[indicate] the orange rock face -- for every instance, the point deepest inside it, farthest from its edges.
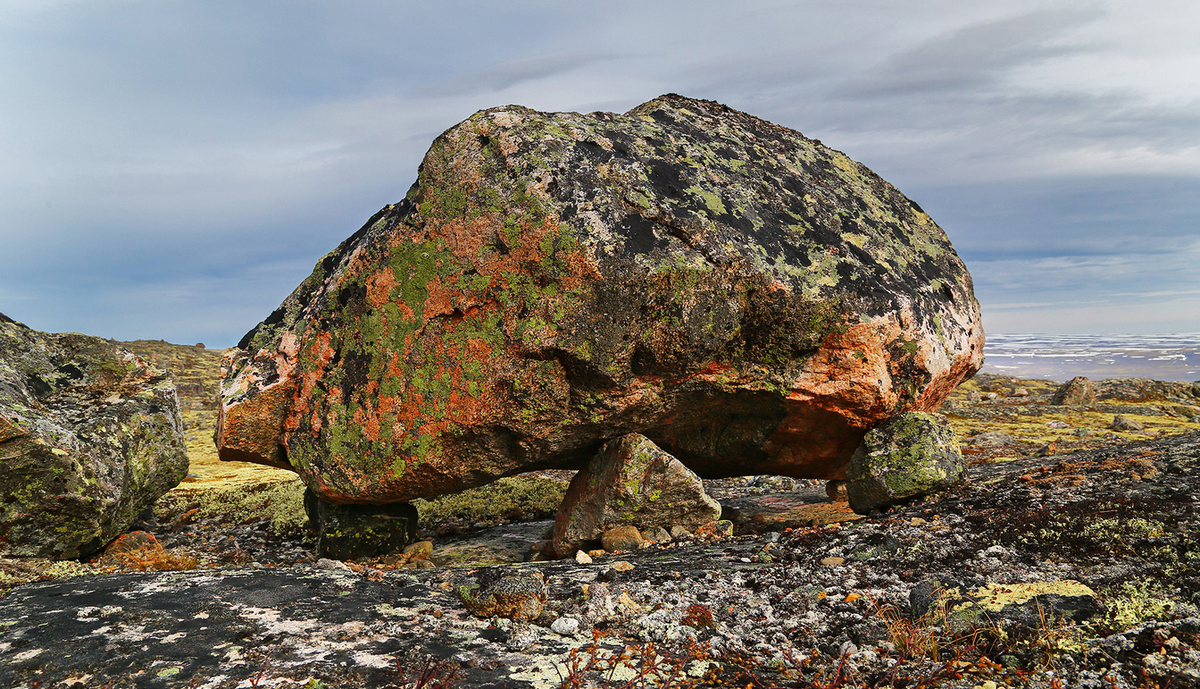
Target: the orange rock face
(749, 300)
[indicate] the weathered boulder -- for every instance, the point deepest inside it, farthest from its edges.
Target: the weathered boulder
(630, 482)
(90, 436)
(1078, 390)
(352, 532)
(911, 455)
(747, 298)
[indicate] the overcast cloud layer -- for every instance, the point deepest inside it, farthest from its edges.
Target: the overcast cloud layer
(173, 169)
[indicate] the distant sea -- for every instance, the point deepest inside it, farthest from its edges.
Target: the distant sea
(1062, 357)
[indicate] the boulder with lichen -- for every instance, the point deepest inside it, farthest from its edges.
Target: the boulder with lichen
(90, 436)
(912, 455)
(745, 297)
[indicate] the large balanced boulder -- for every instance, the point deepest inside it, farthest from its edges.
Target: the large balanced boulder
(630, 482)
(90, 436)
(909, 456)
(746, 298)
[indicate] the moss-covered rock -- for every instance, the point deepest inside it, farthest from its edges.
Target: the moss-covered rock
(495, 592)
(911, 455)
(745, 297)
(90, 436)
(630, 482)
(1036, 604)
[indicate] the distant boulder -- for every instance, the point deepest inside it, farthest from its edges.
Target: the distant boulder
(1078, 390)
(911, 455)
(746, 298)
(1121, 422)
(90, 436)
(1147, 390)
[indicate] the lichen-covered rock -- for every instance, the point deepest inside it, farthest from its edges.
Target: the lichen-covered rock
(630, 482)
(1036, 604)
(745, 297)
(1078, 390)
(90, 436)
(910, 455)
(503, 593)
(352, 532)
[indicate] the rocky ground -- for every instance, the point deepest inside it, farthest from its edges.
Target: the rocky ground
(1069, 559)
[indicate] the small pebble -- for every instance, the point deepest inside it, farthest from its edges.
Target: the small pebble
(833, 561)
(622, 566)
(566, 626)
(583, 558)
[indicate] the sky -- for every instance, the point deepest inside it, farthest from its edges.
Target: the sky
(172, 170)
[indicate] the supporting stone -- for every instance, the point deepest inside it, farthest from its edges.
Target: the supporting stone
(352, 532)
(908, 456)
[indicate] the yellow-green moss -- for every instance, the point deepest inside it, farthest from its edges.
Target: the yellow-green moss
(499, 501)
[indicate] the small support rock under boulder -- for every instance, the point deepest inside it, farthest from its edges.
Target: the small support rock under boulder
(630, 482)
(352, 532)
(908, 456)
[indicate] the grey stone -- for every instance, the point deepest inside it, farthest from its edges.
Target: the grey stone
(567, 626)
(992, 439)
(908, 456)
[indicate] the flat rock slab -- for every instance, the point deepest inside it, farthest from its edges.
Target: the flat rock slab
(786, 510)
(284, 627)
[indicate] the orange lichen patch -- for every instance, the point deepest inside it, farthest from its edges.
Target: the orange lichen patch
(850, 372)
(380, 287)
(442, 300)
(250, 431)
(9, 430)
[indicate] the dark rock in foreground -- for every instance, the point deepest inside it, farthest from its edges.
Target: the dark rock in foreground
(747, 298)
(90, 436)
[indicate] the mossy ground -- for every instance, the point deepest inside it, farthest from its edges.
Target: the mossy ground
(1035, 424)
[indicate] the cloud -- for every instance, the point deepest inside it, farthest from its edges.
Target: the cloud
(146, 145)
(974, 57)
(504, 75)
